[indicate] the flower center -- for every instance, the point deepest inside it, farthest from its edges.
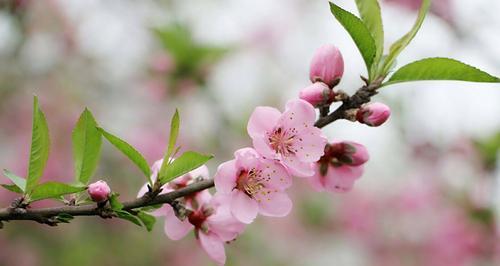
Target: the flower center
(282, 142)
(250, 182)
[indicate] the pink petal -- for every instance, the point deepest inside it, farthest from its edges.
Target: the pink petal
(201, 171)
(299, 114)
(174, 228)
(317, 181)
(310, 145)
(213, 246)
(275, 175)
(222, 222)
(262, 147)
(143, 190)
(225, 177)
(246, 158)
(341, 179)
(275, 204)
(262, 120)
(243, 207)
(155, 169)
(298, 168)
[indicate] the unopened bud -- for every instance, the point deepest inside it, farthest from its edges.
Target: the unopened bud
(327, 65)
(373, 114)
(317, 94)
(99, 191)
(348, 152)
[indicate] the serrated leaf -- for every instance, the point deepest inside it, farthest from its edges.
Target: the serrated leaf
(147, 219)
(129, 151)
(39, 152)
(115, 204)
(12, 188)
(128, 216)
(369, 11)
(359, 33)
(185, 163)
(17, 180)
(86, 147)
(440, 69)
(174, 133)
(401, 44)
(53, 190)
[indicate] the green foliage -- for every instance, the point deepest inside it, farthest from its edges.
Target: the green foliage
(185, 163)
(489, 150)
(174, 133)
(18, 181)
(115, 204)
(52, 189)
(130, 152)
(125, 215)
(401, 44)
(369, 11)
(86, 147)
(359, 33)
(39, 152)
(117, 207)
(440, 69)
(12, 188)
(147, 219)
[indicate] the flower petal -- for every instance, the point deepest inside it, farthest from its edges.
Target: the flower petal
(298, 168)
(299, 115)
(213, 246)
(201, 171)
(310, 144)
(317, 181)
(225, 177)
(275, 175)
(243, 207)
(341, 179)
(262, 120)
(174, 228)
(276, 204)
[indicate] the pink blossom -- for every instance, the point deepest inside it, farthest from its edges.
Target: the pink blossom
(327, 65)
(99, 191)
(317, 94)
(288, 137)
(339, 167)
(373, 114)
(254, 185)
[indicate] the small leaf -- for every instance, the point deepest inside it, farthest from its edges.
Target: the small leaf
(129, 151)
(359, 33)
(185, 163)
(64, 217)
(115, 204)
(401, 44)
(86, 147)
(128, 216)
(12, 188)
(17, 180)
(147, 219)
(440, 69)
(53, 190)
(174, 133)
(369, 11)
(39, 152)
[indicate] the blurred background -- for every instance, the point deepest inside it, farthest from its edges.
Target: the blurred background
(430, 194)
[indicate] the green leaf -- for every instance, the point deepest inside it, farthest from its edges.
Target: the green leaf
(147, 219)
(128, 216)
(39, 152)
(187, 162)
(17, 180)
(53, 190)
(489, 149)
(130, 152)
(12, 188)
(86, 147)
(174, 133)
(115, 204)
(440, 69)
(401, 44)
(64, 217)
(359, 33)
(369, 11)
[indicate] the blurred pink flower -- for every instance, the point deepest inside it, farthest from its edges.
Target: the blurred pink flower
(254, 185)
(290, 138)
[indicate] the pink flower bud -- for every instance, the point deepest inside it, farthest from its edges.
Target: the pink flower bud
(317, 94)
(373, 114)
(327, 65)
(99, 191)
(347, 152)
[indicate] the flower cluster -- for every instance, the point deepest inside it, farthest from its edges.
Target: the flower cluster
(285, 144)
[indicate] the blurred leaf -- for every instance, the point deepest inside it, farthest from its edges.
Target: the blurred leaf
(401, 44)
(39, 152)
(53, 190)
(115, 204)
(86, 146)
(369, 11)
(147, 219)
(359, 33)
(18, 181)
(185, 163)
(489, 149)
(440, 69)
(130, 152)
(64, 217)
(174, 133)
(128, 216)
(12, 188)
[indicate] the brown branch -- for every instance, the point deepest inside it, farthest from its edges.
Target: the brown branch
(49, 215)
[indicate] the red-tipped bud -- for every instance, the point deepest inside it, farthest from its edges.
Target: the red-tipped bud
(373, 114)
(347, 152)
(327, 65)
(317, 94)
(99, 191)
